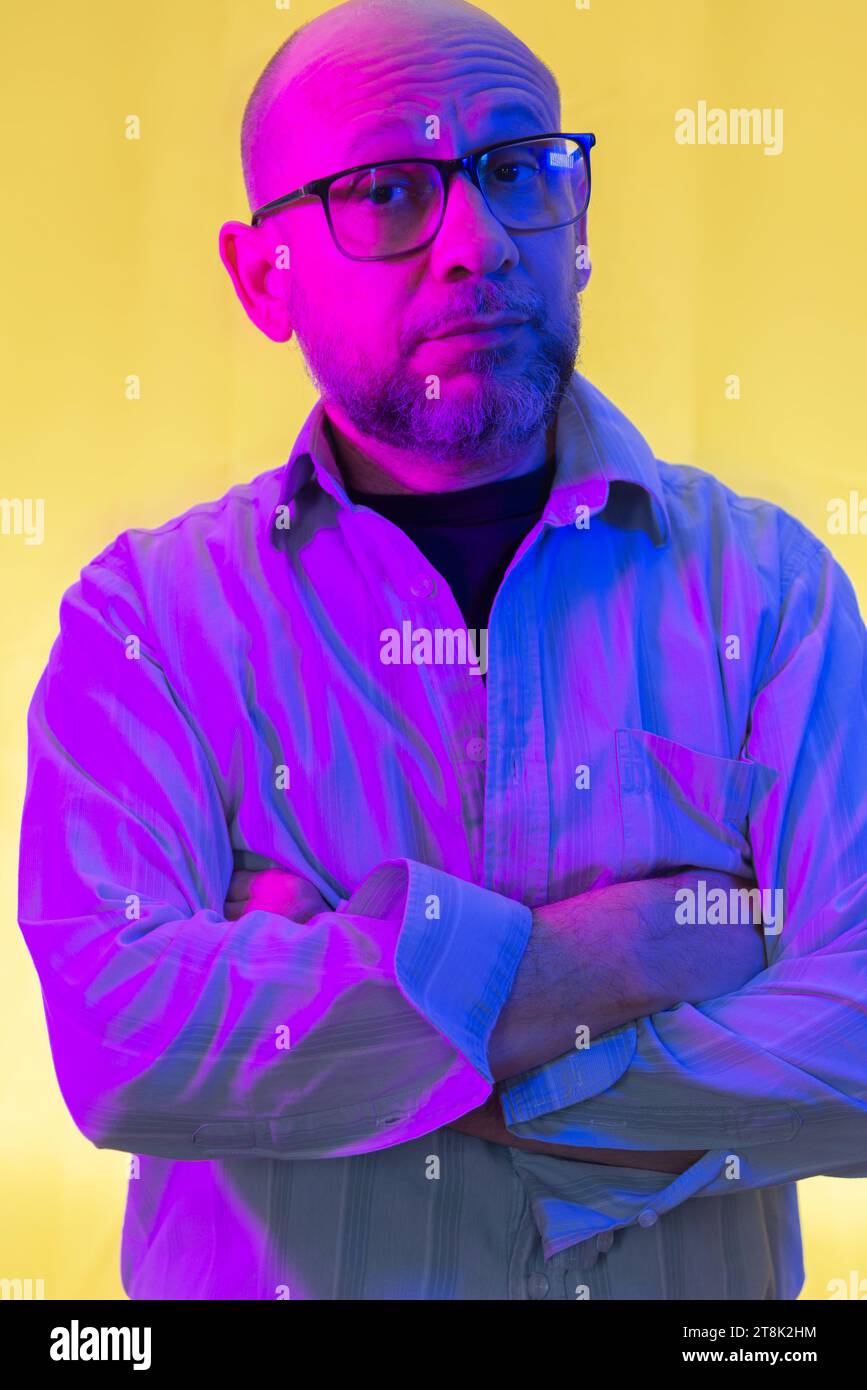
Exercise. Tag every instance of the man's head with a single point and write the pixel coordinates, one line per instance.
(372, 80)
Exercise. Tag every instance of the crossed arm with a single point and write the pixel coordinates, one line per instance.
(594, 962)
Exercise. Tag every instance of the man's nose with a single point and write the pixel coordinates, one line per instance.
(470, 236)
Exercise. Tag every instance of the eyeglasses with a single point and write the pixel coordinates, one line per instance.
(377, 212)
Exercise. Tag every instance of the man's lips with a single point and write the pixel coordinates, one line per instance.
(466, 327)
(475, 335)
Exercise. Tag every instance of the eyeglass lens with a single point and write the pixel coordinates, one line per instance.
(388, 209)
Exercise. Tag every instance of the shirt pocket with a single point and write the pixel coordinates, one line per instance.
(680, 807)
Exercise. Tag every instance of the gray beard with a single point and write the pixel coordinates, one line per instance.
(505, 415)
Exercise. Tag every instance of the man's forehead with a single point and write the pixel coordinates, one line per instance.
(375, 122)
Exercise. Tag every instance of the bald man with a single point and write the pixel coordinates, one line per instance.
(452, 844)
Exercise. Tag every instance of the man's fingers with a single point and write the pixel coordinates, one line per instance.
(245, 881)
(272, 890)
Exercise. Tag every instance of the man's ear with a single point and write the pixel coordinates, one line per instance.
(260, 286)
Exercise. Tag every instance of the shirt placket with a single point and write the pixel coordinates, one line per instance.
(517, 795)
(421, 595)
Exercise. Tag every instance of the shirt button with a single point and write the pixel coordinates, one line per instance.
(422, 586)
(648, 1217)
(537, 1284)
(604, 1242)
(476, 749)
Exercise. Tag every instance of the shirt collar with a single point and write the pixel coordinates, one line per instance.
(603, 462)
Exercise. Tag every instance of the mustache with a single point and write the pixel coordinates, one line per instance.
(482, 304)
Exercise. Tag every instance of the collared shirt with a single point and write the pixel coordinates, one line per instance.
(676, 676)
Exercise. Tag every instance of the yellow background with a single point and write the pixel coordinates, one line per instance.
(708, 261)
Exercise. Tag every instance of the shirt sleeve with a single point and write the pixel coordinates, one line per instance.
(772, 1075)
(178, 1033)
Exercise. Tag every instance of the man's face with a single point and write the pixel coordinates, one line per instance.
(367, 329)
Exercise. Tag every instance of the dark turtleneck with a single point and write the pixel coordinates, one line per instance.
(470, 536)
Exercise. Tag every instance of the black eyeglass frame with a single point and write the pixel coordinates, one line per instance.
(447, 168)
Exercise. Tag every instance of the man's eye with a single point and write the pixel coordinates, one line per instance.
(381, 192)
(516, 171)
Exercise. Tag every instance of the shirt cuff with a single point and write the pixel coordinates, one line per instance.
(458, 949)
(571, 1202)
(576, 1076)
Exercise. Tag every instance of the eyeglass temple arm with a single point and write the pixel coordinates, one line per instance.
(308, 190)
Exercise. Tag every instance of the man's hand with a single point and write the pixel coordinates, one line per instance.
(486, 1122)
(273, 890)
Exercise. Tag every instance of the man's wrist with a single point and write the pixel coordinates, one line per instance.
(581, 969)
